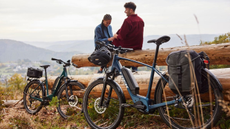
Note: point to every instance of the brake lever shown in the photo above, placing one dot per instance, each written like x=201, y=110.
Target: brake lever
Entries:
x=74, y=65
x=59, y=62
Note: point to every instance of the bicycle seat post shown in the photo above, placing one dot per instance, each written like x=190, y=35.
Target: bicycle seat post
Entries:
x=45, y=67
x=156, y=54
x=153, y=71
x=45, y=74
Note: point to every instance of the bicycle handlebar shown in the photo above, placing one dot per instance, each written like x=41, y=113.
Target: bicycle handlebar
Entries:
x=59, y=61
x=74, y=65
x=114, y=48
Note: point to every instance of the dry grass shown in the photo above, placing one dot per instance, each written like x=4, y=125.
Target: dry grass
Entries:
x=226, y=104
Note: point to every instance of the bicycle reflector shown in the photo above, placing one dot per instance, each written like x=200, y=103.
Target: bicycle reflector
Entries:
x=206, y=61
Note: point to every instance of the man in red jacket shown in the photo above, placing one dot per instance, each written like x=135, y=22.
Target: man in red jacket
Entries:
x=130, y=35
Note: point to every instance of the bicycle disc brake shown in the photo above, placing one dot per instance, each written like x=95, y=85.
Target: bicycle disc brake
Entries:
x=73, y=100
x=189, y=101
x=98, y=109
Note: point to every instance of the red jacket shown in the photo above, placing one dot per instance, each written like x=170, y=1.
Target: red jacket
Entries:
x=130, y=35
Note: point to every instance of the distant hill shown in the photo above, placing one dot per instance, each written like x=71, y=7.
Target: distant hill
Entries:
x=175, y=41
x=84, y=46
x=11, y=50
x=87, y=46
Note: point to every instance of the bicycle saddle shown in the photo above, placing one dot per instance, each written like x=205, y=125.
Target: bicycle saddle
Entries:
x=45, y=66
x=160, y=40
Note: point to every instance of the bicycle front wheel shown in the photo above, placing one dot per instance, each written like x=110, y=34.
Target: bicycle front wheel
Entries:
x=110, y=114
x=70, y=99
x=32, y=97
x=196, y=111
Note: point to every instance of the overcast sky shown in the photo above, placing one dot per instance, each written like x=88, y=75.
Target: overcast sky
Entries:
x=57, y=20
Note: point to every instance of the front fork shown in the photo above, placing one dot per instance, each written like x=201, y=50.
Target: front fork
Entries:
x=66, y=89
x=103, y=92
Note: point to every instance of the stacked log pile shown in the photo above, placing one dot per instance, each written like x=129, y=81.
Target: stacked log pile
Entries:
x=218, y=54
x=142, y=78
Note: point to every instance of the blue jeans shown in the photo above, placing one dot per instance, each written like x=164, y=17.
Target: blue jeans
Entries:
x=134, y=69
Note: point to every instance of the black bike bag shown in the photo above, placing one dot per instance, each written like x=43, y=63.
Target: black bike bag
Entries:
x=130, y=80
x=34, y=72
x=183, y=71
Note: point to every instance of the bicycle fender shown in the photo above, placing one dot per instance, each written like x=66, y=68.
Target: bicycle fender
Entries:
x=216, y=81
x=72, y=81
x=75, y=81
x=117, y=87
x=43, y=87
x=158, y=84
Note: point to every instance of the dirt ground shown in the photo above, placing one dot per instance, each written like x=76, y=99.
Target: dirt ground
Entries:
x=16, y=117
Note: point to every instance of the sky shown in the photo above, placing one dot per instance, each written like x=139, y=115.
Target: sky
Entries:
x=60, y=20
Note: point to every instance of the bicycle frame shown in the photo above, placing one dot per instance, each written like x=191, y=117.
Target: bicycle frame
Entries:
x=58, y=85
x=145, y=100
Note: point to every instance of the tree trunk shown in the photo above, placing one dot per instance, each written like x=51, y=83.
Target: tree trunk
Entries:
x=142, y=78
x=218, y=54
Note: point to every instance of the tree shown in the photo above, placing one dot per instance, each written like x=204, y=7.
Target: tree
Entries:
x=17, y=82
x=225, y=38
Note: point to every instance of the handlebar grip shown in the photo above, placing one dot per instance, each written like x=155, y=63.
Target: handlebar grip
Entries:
x=53, y=59
x=100, y=43
x=129, y=49
x=74, y=65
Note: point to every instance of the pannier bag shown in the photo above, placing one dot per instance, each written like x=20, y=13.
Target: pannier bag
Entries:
x=182, y=73
x=205, y=64
x=34, y=72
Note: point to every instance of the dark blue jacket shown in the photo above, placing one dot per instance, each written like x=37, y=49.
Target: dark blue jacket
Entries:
x=99, y=36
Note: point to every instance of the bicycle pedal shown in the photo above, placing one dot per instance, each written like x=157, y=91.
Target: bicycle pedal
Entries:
x=139, y=106
x=126, y=105
x=45, y=102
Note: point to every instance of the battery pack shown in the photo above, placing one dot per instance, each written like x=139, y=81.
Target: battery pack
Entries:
x=130, y=80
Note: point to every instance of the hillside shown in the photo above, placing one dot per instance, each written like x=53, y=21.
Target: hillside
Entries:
x=87, y=46
x=12, y=50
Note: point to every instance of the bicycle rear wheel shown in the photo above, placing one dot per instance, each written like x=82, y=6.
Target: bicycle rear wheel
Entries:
x=110, y=114
x=203, y=110
x=32, y=97
x=70, y=99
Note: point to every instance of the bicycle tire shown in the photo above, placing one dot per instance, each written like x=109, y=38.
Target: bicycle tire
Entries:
x=102, y=117
x=72, y=105
x=176, y=116
x=32, y=105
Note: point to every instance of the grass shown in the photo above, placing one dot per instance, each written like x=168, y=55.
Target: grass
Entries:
x=49, y=118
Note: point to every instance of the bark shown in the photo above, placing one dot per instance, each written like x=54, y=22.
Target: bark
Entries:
x=218, y=54
x=8, y=103
x=142, y=78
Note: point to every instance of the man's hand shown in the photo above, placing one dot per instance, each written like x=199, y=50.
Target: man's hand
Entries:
x=111, y=39
x=115, y=36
